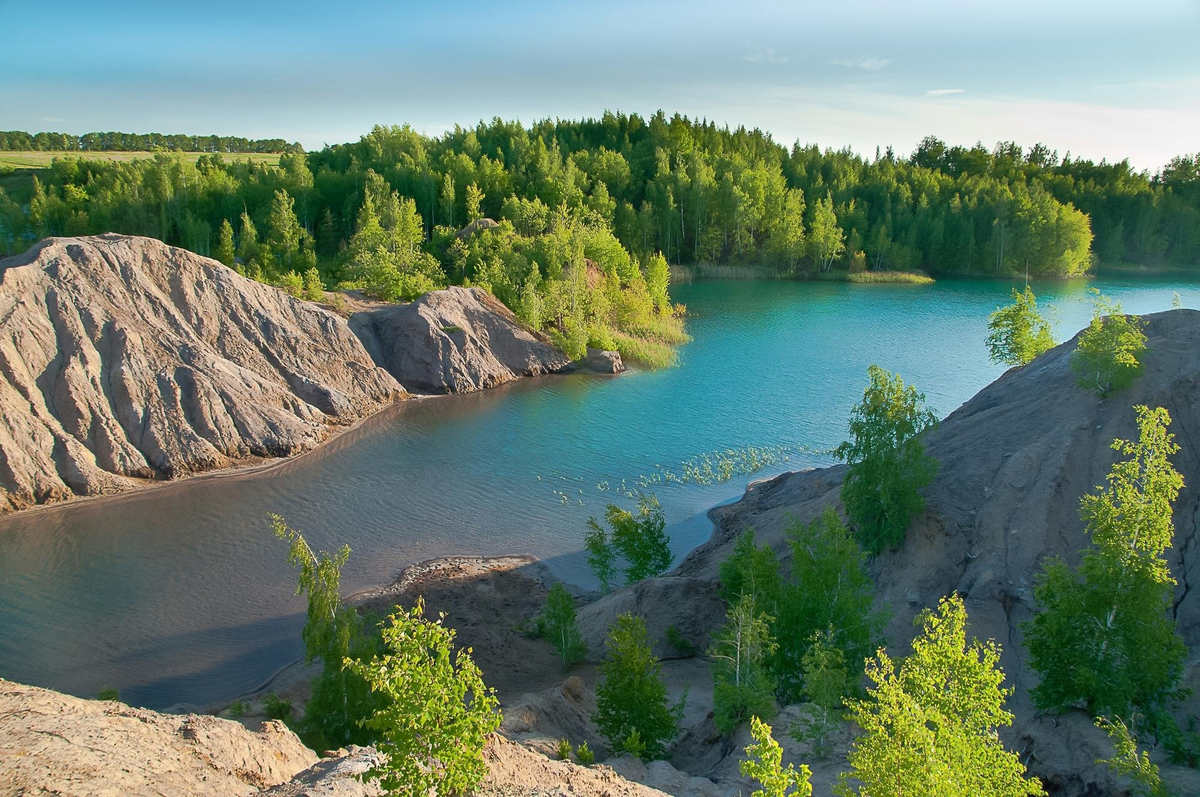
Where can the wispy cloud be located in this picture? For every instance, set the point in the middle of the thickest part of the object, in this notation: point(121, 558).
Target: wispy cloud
point(871, 62)
point(942, 92)
point(765, 56)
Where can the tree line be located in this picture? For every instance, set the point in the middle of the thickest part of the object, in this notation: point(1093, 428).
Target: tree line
point(20, 141)
point(695, 192)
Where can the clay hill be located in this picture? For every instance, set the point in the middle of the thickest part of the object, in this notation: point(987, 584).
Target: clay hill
point(124, 360)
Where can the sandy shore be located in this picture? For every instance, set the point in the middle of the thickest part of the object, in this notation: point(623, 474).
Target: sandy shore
point(486, 600)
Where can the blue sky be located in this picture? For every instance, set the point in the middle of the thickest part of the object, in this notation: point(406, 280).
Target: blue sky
point(1099, 79)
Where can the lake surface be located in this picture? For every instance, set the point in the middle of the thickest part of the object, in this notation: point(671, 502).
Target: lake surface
point(181, 594)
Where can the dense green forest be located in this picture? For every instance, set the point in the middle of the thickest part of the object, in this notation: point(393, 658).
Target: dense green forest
point(19, 141)
point(572, 223)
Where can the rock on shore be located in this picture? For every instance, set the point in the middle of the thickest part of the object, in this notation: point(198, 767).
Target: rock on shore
point(456, 340)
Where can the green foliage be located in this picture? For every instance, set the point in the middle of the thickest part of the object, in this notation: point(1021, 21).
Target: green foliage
point(563, 750)
point(902, 277)
point(930, 725)
point(765, 765)
point(1103, 636)
point(742, 685)
point(557, 624)
point(314, 291)
point(601, 555)
point(1129, 762)
point(682, 645)
point(827, 683)
point(888, 465)
point(225, 251)
point(751, 570)
point(631, 701)
point(277, 708)
point(108, 693)
point(238, 708)
point(827, 593)
point(1018, 333)
point(435, 712)
point(1108, 356)
point(291, 283)
point(584, 755)
point(333, 633)
point(826, 241)
point(633, 745)
point(640, 540)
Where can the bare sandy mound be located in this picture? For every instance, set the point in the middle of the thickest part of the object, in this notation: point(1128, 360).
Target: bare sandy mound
point(123, 359)
point(56, 744)
point(456, 340)
point(1015, 460)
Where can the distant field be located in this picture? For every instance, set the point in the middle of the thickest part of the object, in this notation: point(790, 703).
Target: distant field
point(41, 160)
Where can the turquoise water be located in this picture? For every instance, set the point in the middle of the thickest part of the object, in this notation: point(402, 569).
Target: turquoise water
point(180, 594)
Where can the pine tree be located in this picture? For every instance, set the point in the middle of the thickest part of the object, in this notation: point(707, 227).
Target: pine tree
point(283, 234)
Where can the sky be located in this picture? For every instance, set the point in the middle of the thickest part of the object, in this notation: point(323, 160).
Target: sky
point(1098, 79)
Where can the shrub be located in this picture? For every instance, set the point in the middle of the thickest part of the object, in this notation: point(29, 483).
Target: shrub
point(277, 708)
point(682, 645)
point(887, 461)
point(826, 682)
point(631, 701)
point(1108, 356)
point(238, 708)
point(640, 540)
point(108, 693)
point(563, 751)
point(584, 755)
point(765, 764)
point(930, 725)
point(558, 625)
point(1018, 333)
point(436, 712)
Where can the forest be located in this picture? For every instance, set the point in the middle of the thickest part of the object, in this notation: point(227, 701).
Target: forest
point(573, 223)
point(19, 141)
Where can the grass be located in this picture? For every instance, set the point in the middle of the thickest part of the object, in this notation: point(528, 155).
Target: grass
point(648, 352)
point(41, 160)
point(907, 277)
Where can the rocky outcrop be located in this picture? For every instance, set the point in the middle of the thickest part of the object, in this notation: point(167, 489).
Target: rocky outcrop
point(1014, 462)
point(123, 359)
point(603, 362)
point(456, 340)
point(52, 743)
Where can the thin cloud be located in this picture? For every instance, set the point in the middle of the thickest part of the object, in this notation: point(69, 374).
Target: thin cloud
point(765, 56)
point(872, 62)
point(943, 92)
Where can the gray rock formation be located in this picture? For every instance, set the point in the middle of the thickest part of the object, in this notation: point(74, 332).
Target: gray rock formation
point(603, 362)
point(123, 359)
point(1014, 462)
point(454, 341)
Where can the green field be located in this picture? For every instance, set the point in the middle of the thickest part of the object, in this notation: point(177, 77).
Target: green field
point(41, 160)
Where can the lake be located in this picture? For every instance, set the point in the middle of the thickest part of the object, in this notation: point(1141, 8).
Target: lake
point(181, 594)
